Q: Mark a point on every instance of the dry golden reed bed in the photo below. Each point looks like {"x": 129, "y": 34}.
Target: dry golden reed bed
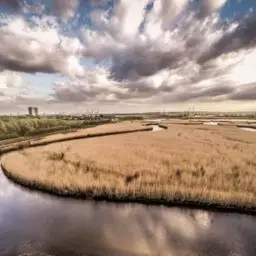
{"x": 101, "y": 130}
{"x": 115, "y": 127}
{"x": 199, "y": 164}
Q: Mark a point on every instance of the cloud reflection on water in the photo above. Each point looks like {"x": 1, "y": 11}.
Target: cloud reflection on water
{"x": 30, "y": 221}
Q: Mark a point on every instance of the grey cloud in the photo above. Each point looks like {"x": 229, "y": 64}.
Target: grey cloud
{"x": 31, "y": 55}
{"x": 98, "y": 2}
{"x": 210, "y": 94}
{"x": 144, "y": 61}
{"x": 66, "y": 9}
{"x": 214, "y": 92}
{"x": 245, "y": 92}
{"x": 140, "y": 89}
{"x": 158, "y": 59}
{"x": 206, "y": 7}
{"x": 84, "y": 91}
{"x": 167, "y": 10}
{"x": 2, "y": 94}
{"x": 25, "y": 100}
{"x": 15, "y": 4}
{"x": 81, "y": 93}
{"x": 23, "y": 6}
{"x": 243, "y": 37}
{"x": 147, "y": 58}
{"x": 72, "y": 93}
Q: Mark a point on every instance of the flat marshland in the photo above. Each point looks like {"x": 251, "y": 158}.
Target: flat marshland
{"x": 197, "y": 163}
{"x": 101, "y": 130}
{"x": 105, "y": 128}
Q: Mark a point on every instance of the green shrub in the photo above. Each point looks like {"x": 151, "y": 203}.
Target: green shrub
{"x": 17, "y": 127}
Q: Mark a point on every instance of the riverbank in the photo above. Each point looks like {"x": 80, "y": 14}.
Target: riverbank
{"x": 192, "y": 165}
{"x": 41, "y": 133}
{"x": 131, "y": 198}
{"x": 76, "y": 134}
{"x": 27, "y": 214}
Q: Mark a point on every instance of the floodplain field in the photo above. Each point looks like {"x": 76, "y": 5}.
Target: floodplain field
{"x": 197, "y": 164}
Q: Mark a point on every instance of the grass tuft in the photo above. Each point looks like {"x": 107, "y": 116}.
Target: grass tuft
{"x": 56, "y": 156}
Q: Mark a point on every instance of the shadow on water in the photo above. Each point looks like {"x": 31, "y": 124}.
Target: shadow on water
{"x": 32, "y": 222}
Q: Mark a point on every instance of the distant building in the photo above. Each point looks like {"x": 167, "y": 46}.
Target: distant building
{"x": 36, "y": 111}
{"x": 30, "y": 111}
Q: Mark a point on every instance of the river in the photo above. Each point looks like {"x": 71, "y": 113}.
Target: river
{"x": 248, "y": 129}
{"x": 32, "y": 222}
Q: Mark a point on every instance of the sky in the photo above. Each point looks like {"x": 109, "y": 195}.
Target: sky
{"x": 127, "y": 55}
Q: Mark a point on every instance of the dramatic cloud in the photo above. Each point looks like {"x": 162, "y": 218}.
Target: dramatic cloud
{"x": 38, "y": 50}
{"x": 247, "y": 92}
{"x": 207, "y": 7}
{"x": 243, "y": 36}
{"x": 165, "y": 11}
{"x": 96, "y": 86}
{"x": 156, "y": 51}
{"x": 15, "y": 4}
{"x": 23, "y": 6}
{"x": 66, "y": 9}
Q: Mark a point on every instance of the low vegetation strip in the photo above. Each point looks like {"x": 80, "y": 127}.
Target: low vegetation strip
{"x": 42, "y": 134}
{"x": 78, "y": 137}
{"x": 247, "y": 126}
{"x": 184, "y": 164}
{"x": 35, "y": 143}
{"x": 14, "y": 129}
{"x": 163, "y": 126}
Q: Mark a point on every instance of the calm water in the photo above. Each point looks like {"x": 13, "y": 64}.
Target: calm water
{"x": 248, "y": 129}
{"x": 157, "y": 128}
{"x": 31, "y": 222}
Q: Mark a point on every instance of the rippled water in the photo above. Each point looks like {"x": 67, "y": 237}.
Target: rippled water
{"x": 32, "y": 222}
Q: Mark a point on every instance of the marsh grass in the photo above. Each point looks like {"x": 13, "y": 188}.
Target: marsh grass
{"x": 216, "y": 166}
{"x": 19, "y": 129}
{"x": 101, "y": 130}
{"x": 26, "y": 126}
{"x": 14, "y": 129}
{"x": 58, "y": 156}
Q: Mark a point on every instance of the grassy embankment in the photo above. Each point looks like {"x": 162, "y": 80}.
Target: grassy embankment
{"x": 95, "y": 131}
{"x": 214, "y": 166}
{"x": 14, "y": 130}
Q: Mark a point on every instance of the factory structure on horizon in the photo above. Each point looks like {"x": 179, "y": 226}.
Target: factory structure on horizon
{"x": 32, "y": 111}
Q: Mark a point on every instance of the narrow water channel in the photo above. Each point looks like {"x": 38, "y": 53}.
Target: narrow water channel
{"x": 248, "y": 129}
{"x": 157, "y": 128}
{"x": 32, "y": 222}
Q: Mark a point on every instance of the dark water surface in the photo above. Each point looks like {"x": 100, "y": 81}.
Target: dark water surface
{"x": 32, "y": 222}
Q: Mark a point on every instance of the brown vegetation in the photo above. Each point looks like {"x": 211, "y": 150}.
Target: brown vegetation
{"x": 98, "y": 131}
{"x": 105, "y": 128}
{"x": 199, "y": 164}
